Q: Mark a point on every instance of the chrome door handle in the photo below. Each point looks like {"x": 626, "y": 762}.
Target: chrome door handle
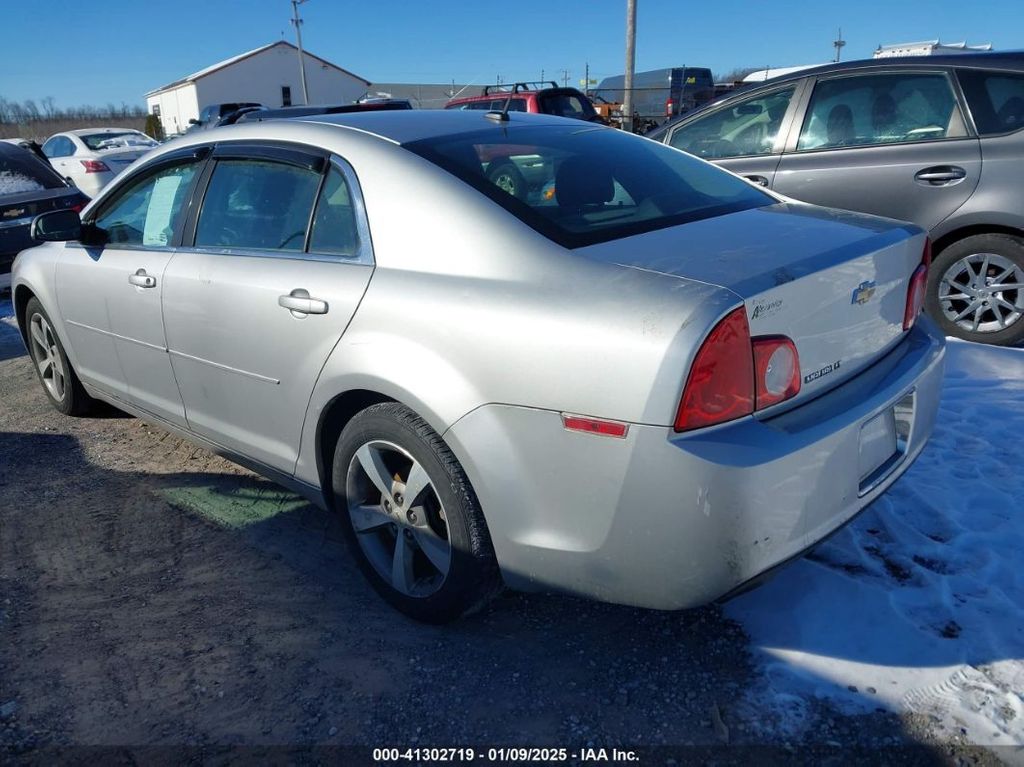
{"x": 142, "y": 280}
{"x": 941, "y": 175}
{"x": 300, "y": 303}
{"x": 759, "y": 180}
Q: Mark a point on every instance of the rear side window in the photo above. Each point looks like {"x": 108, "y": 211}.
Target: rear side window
{"x": 257, "y": 205}
{"x": 334, "y": 223}
{"x": 21, "y": 171}
{"x": 566, "y": 105}
{"x": 881, "y": 109}
{"x": 996, "y": 100}
{"x": 148, "y": 211}
{"x": 579, "y": 186}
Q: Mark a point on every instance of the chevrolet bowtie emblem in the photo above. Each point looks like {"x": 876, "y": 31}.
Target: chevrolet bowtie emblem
{"x": 14, "y": 212}
{"x": 863, "y": 293}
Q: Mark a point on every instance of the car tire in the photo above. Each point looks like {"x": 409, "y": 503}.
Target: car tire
{"x": 968, "y": 303}
{"x": 506, "y": 176}
{"x": 429, "y": 556}
{"x": 58, "y": 378}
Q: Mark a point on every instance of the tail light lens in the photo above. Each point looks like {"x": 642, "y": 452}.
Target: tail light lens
{"x": 669, "y": 106}
{"x": 721, "y": 383}
{"x": 733, "y": 375}
{"x": 776, "y": 371}
{"x": 94, "y": 166}
{"x": 918, "y": 288}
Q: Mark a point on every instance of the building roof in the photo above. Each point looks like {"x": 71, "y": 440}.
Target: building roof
{"x": 235, "y": 59}
{"x": 961, "y": 46}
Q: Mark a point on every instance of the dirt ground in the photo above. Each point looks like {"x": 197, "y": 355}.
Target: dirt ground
{"x": 152, "y": 593}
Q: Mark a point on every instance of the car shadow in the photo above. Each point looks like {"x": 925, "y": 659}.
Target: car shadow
{"x": 215, "y": 608}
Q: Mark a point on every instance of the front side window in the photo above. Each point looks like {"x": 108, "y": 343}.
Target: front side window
{"x": 743, "y": 129}
{"x": 881, "y": 109}
{"x": 257, "y": 205}
{"x": 147, "y": 212}
{"x": 566, "y": 105}
{"x": 996, "y": 100}
{"x": 579, "y": 186}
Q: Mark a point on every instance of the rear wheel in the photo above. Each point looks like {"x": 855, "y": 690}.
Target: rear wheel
{"x": 58, "y": 378}
{"x": 976, "y": 289}
{"x": 411, "y": 516}
{"x": 506, "y": 176}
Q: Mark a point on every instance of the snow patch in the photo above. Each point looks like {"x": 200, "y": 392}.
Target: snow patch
{"x": 12, "y": 182}
{"x": 918, "y": 606}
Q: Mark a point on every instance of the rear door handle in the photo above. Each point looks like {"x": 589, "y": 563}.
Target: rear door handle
{"x": 759, "y": 180}
{"x": 941, "y": 175}
{"x": 300, "y": 303}
{"x": 142, "y": 280}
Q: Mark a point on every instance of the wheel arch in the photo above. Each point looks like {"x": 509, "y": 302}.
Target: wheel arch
{"x": 22, "y": 295}
{"x": 955, "y": 235}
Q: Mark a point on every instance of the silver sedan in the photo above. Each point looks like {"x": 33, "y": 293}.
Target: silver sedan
{"x": 638, "y": 379}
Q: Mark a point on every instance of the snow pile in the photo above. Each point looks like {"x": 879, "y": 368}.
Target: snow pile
{"x": 919, "y": 604}
{"x": 16, "y": 183}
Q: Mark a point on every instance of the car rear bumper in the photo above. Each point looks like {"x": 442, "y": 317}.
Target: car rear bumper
{"x": 670, "y": 521}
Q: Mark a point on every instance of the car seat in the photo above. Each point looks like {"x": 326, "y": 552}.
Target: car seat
{"x": 840, "y": 125}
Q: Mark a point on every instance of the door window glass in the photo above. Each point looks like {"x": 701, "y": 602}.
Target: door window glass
{"x": 881, "y": 109}
{"x": 257, "y": 204}
{"x": 739, "y": 130}
{"x": 58, "y": 146}
{"x": 147, "y": 212}
{"x": 334, "y": 224}
{"x": 996, "y": 100}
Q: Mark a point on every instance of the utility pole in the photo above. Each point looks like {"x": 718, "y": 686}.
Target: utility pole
{"x": 838, "y": 43}
{"x": 565, "y": 78}
{"x": 586, "y": 80}
{"x": 627, "y": 99}
{"x": 298, "y": 38}
{"x": 542, "y": 75}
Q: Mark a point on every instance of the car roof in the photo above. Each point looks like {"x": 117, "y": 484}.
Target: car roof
{"x": 403, "y": 126}
{"x": 89, "y": 131}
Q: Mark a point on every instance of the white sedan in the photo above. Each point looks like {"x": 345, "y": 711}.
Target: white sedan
{"x": 89, "y": 158}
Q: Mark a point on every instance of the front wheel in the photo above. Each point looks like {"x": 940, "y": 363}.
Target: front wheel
{"x": 506, "y": 176}
{"x": 58, "y": 378}
{"x": 411, "y": 516}
{"x": 976, "y": 289}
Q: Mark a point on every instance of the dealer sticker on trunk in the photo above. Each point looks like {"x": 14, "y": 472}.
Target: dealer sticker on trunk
{"x": 822, "y": 372}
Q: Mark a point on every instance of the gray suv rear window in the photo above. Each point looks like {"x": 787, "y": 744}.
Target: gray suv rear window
{"x": 996, "y": 100}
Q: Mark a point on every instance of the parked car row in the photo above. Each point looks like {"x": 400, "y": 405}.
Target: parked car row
{"x": 938, "y": 141}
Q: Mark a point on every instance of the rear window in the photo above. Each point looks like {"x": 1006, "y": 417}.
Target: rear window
{"x": 996, "y": 100}
{"x": 579, "y": 185}
{"x": 572, "y": 105}
{"x": 127, "y": 139}
{"x": 21, "y": 171}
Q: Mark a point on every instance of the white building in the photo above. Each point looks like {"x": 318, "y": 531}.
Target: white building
{"x": 268, "y": 75}
{"x": 928, "y": 48}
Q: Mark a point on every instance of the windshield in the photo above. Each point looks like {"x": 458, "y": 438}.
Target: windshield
{"x": 21, "y": 171}
{"x": 583, "y": 186}
{"x": 127, "y": 139}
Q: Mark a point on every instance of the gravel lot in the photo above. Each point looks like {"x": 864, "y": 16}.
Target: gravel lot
{"x": 152, "y": 593}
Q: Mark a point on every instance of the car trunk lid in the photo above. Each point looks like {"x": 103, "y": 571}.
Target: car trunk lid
{"x": 834, "y": 282}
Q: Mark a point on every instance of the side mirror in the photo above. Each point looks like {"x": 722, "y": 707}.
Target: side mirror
{"x": 57, "y": 226}
{"x": 747, "y": 109}
{"x": 193, "y": 121}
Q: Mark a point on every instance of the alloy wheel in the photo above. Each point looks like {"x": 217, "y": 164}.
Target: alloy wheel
{"x": 982, "y": 293}
{"x": 399, "y": 520}
{"x": 47, "y": 356}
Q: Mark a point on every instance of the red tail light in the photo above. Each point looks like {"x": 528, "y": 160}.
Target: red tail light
{"x": 721, "y": 383}
{"x": 776, "y": 370}
{"x": 94, "y": 166}
{"x": 918, "y": 288}
{"x": 669, "y": 106}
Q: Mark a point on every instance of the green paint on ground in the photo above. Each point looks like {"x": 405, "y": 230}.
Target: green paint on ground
{"x": 235, "y": 506}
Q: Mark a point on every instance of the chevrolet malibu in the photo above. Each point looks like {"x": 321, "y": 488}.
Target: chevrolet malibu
{"x": 640, "y": 380}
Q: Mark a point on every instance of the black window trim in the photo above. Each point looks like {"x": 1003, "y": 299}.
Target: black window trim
{"x": 300, "y": 155}
{"x": 812, "y": 83}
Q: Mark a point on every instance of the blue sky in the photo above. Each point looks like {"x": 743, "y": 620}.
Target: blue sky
{"x": 116, "y": 50}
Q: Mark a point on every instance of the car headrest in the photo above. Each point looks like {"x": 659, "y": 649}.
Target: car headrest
{"x": 582, "y": 182}
{"x": 840, "y": 124}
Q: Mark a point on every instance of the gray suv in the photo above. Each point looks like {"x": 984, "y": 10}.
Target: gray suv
{"x": 938, "y": 141}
